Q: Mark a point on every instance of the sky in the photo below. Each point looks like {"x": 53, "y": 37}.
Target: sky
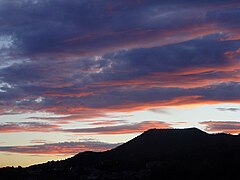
{"x": 88, "y": 75}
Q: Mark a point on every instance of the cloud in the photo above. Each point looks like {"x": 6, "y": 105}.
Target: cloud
{"x": 38, "y": 141}
{"x": 11, "y": 127}
{"x": 106, "y": 122}
{"x": 232, "y": 127}
{"x": 10, "y": 113}
{"x": 62, "y": 148}
{"x": 229, "y": 109}
{"x": 160, "y": 111}
{"x": 90, "y": 27}
{"x": 99, "y": 127}
{"x": 121, "y": 129}
{"x": 83, "y": 115}
{"x": 122, "y": 99}
{"x": 116, "y": 56}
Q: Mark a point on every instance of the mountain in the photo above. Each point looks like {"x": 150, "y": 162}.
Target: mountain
{"x": 155, "y": 154}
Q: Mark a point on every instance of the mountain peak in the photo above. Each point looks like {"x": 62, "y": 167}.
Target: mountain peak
{"x": 192, "y": 131}
{"x": 162, "y": 140}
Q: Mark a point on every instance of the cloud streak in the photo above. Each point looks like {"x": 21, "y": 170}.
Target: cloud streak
{"x": 12, "y": 127}
{"x": 63, "y": 148}
{"x": 96, "y": 127}
{"x": 229, "y": 109}
{"x": 121, "y": 129}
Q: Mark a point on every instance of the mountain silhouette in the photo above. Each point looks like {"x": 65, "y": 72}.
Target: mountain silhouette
{"x": 155, "y": 154}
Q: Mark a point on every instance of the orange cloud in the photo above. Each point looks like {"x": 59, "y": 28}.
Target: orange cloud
{"x": 86, "y": 114}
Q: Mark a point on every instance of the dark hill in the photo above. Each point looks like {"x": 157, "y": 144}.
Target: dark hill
{"x": 155, "y": 154}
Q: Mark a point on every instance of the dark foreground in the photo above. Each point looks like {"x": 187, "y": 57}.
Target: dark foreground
{"x": 156, "y": 154}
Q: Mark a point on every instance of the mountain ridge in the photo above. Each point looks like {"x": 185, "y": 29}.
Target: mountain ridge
{"x": 166, "y": 153}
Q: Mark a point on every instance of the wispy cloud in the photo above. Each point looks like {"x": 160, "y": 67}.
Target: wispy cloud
{"x": 159, "y": 110}
{"x": 10, "y": 113}
{"x": 121, "y": 129}
{"x": 12, "y": 127}
{"x": 229, "y": 109}
{"x": 107, "y": 122}
{"x": 64, "y": 148}
{"x": 100, "y": 127}
{"x": 76, "y": 115}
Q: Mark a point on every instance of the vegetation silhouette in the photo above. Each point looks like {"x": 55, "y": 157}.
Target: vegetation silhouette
{"x": 156, "y": 154}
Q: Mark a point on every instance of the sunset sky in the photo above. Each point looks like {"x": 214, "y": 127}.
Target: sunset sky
{"x": 78, "y": 75}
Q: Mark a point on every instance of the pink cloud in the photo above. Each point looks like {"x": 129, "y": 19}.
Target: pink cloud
{"x": 121, "y": 129}
{"x": 232, "y": 127}
{"x": 63, "y": 148}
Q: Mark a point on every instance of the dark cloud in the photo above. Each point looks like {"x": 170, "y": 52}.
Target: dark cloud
{"x": 222, "y": 126}
{"x": 10, "y": 113}
{"x": 64, "y": 148}
{"x": 85, "y": 59}
{"x": 226, "y": 16}
{"x": 86, "y": 27}
{"x": 122, "y": 99}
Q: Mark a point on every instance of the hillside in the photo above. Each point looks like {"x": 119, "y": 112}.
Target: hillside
{"x": 155, "y": 154}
